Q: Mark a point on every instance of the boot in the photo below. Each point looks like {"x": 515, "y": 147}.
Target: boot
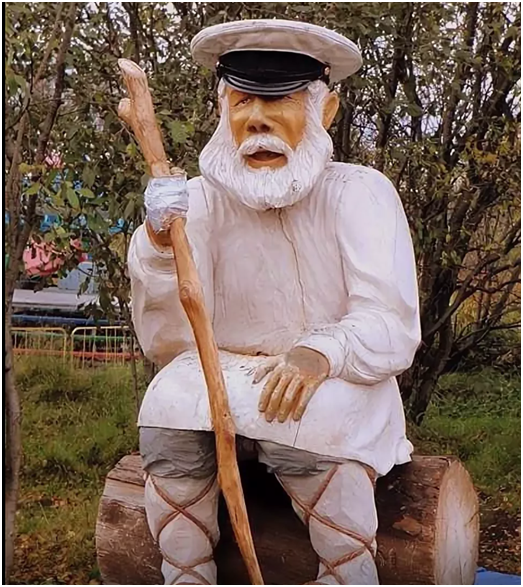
{"x": 182, "y": 513}
{"x": 338, "y": 507}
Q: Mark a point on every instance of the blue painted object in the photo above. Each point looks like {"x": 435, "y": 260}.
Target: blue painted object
{"x": 484, "y": 577}
{"x": 57, "y": 320}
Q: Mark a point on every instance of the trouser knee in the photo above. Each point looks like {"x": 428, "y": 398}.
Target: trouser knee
{"x": 286, "y": 460}
{"x": 178, "y": 453}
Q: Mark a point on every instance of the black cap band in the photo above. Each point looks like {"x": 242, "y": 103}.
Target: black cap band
{"x": 270, "y": 73}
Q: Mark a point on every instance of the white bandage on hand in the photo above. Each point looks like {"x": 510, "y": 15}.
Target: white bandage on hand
{"x": 166, "y": 198}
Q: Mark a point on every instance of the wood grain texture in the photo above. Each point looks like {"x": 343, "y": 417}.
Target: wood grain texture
{"x": 138, "y": 112}
{"x": 192, "y": 300}
{"x": 420, "y": 505}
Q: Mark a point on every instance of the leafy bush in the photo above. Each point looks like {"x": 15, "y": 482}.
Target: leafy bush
{"x": 500, "y": 349}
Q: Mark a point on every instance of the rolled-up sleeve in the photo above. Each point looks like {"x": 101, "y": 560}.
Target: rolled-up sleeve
{"x": 380, "y": 332}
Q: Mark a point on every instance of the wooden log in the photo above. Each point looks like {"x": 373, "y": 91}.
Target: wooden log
{"x": 428, "y": 528}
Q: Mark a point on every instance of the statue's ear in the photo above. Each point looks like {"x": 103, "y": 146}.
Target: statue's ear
{"x": 330, "y": 108}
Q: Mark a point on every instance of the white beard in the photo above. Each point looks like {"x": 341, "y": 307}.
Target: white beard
{"x": 223, "y": 163}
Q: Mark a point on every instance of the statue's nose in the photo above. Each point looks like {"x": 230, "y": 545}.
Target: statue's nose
{"x": 258, "y": 121}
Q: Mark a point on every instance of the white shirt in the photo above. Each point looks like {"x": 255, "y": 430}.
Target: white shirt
{"x": 334, "y": 272}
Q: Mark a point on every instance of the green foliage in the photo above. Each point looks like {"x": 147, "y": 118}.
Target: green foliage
{"x": 500, "y": 349}
{"x": 477, "y": 417}
{"x": 435, "y": 106}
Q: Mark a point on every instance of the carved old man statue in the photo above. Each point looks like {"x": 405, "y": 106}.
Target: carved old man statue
{"x": 309, "y": 278}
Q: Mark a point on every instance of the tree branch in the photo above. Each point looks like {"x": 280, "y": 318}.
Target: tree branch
{"x": 458, "y": 83}
{"x": 461, "y": 295}
{"x": 16, "y": 158}
{"x": 47, "y": 126}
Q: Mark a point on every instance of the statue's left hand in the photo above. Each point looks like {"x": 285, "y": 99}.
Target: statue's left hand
{"x": 293, "y": 380}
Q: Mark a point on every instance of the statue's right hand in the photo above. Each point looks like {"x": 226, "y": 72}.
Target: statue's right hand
{"x": 166, "y": 198}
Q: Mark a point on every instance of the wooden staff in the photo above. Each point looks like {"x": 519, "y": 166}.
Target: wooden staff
{"x": 138, "y": 112}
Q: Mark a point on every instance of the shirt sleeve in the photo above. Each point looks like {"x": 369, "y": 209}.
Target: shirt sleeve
{"x": 378, "y": 337}
{"x": 159, "y": 319}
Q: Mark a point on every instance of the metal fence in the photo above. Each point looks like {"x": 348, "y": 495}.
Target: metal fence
{"x": 41, "y": 341}
{"x": 91, "y": 345}
{"x": 85, "y": 346}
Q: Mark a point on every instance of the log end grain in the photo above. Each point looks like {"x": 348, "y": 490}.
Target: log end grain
{"x": 457, "y": 529}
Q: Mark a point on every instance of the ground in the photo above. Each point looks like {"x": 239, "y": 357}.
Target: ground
{"x": 77, "y": 424}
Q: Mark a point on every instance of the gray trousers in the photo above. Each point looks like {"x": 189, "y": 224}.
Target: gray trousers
{"x": 189, "y": 453}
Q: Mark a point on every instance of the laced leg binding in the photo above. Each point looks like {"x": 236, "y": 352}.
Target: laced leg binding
{"x": 339, "y": 509}
{"x": 182, "y": 517}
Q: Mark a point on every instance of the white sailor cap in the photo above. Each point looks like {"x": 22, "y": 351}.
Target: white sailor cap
{"x": 275, "y": 57}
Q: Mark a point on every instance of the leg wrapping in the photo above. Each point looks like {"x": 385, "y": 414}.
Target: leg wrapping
{"x": 338, "y": 507}
{"x": 182, "y": 515}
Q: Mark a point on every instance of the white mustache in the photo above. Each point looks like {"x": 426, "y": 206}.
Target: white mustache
{"x": 265, "y": 142}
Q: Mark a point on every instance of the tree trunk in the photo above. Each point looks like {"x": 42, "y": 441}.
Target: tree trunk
{"x": 428, "y": 532}
{"x": 13, "y": 446}
{"x": 22, "y": 220}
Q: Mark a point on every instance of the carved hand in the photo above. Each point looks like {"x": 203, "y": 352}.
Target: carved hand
{"x": 293, "y": 380}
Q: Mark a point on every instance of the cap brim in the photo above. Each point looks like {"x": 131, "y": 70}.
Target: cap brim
{"x": 339, "y": 53}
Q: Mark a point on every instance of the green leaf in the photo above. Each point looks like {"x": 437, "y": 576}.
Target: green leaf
{"x": 131, "y": 150}
{"x": 57, "y": 200}
{"x": 414, "y": 110}
{"x": 129, "y": 209}
{"x": 71, "y": 131}
{"x": 72, "y": 198}
{"x": 34, "y": 189}
{"x": 89, "y": 176}
{"x": 178, "y": 131}
{"x": 96, "y": 223}
{"x": 25, "y": 168}
{"x": 87, "y": 193}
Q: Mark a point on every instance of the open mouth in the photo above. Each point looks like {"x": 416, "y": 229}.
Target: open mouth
{"x": 268, "y": 157}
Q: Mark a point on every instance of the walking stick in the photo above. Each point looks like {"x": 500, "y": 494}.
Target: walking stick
{"x": 138, "y": 112}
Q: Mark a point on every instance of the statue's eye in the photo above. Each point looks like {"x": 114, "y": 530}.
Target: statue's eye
{"x": 243, "y": 101}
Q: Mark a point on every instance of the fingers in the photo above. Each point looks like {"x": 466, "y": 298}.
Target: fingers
{"x": 276, "y": 396}
{"x": 266, "y": 367}
{"x": 269, "y": 387}
{"x": 289, "y": 397}
{"x": 287, "y": 390}
{"x": 308, "y": 391}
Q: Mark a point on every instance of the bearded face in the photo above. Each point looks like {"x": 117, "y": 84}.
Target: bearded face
{"x": 269, "y": 153}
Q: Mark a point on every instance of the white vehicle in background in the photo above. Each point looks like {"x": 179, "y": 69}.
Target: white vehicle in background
{"x": 59, "y": 305}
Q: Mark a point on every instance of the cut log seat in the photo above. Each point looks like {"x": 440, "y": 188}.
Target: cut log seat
{"x": 428, "y": 528}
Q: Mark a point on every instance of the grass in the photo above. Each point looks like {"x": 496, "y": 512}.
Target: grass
{"x": 78, "y": 424}
{"x": 477, "y": 417}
